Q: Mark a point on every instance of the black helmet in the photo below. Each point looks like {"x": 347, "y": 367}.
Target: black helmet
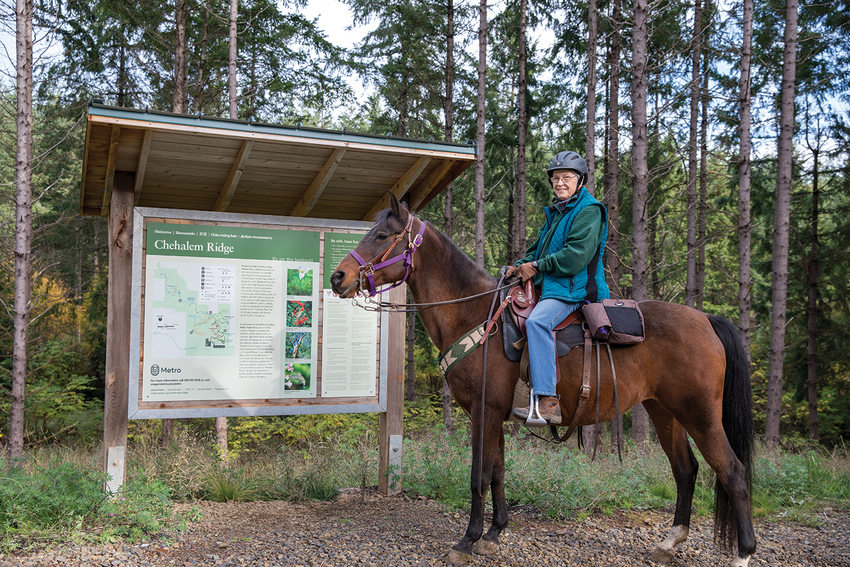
{"x": 568, "y": 160}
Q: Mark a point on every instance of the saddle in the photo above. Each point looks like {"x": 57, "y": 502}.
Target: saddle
{"x": 523, "y": 298}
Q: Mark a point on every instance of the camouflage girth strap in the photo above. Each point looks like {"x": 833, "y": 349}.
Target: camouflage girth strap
{"x": 461, "y": 348}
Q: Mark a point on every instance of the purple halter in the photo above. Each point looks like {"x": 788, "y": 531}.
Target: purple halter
{"x": 369, "y": 268}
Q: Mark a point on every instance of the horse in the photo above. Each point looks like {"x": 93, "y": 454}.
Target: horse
{"x": 690, "y": 373}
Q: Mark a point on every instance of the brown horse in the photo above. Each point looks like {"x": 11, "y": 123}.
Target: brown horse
{"x": 690, "y": 373}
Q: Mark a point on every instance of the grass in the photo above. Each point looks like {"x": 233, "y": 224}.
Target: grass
{"x": 55, "y": 495}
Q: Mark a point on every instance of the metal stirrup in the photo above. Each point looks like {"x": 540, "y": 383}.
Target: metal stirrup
{"x": 534, "y": 410}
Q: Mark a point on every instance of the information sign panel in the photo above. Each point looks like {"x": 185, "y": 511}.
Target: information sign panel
{"x": 233, "y": 315}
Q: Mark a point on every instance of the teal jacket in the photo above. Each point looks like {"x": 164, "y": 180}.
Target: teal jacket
{"x": 569, "y": 250}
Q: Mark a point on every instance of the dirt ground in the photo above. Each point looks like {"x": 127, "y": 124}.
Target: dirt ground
{"x": 400, "y": 531}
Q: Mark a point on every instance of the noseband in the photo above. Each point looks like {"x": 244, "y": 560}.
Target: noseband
{"x": 369, "y": 268}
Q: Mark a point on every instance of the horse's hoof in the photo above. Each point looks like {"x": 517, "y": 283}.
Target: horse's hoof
{"x": 741, "y": 561}
{"x": 662, "y": 555}
{"x": 456, "y": 557}
{"x": 485, "y": 547}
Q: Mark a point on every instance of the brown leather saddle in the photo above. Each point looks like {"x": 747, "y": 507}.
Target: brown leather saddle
{"x": 523, "y": 298}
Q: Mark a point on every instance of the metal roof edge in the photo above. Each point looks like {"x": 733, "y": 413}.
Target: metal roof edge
{"x": 99, "y": 109}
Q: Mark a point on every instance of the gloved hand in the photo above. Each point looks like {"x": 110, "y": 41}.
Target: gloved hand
{"x": 526, "y": 271}
{"x": 510, "y": 271}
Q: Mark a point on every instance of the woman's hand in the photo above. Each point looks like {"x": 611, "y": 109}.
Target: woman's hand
{"x": 526, "y": 271}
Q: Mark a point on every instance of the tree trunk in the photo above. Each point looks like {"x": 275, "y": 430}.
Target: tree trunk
{"x": 448, "y": 218}
{"x": 198, "y": 101}
{"x": 522, "y": 129}
{"x": 813, "y": 272}
{"x": 179, "y": 103}
{"x": 612, "y": 154}
{"x": 233, "y": 112}
{"x": 23, "y": 225}
{"x": 480, "y": 123}
{"x": 122, "y": 72}
{"x": 512, "y": 242}
{"x": 702, "y": 195}
{"x": 411, "y": 353}
{"x": 180, "y": 96}
{"x": 640, "y": 419}
{"x": 781, "y": 221}
{"x": 231, "y": 62}
{"x": 696, "y": 60}
{"x": 745, "y": 278}
{"x": 655, "y": 159}
{"x": 590, "y": 125}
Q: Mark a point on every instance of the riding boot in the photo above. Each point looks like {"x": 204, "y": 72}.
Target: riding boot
{"x": 549, "y": 408}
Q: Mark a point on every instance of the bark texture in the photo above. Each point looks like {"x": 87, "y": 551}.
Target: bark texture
{"x": 480, "y": 125}
{"x": 640, "y": 171}
{"x": 781, "y": 221}
{"x": 691, "y": 277}
{"x": 590, "y": 125}
{"x": 522, "y": 129}
{"x": 612, "y": 153}
{"x": 745, "y": 278}
{"x": 448, "y": 214}
{"x": 23, "y": 225}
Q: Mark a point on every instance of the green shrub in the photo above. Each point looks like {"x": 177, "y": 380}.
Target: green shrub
{"x": 58, "y": 496}
{"x": 67, "y": 499}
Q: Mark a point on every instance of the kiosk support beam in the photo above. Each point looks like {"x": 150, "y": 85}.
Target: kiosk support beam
{"x": 118, "y": 328}
{"x": 389, "y": 455}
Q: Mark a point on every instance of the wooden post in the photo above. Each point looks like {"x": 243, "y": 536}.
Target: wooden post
{"x": 389, "y": 456}
{"x": 118, "y": 329}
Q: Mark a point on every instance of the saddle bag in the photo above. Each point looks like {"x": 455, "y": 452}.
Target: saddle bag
{"x": 617, "y": 321}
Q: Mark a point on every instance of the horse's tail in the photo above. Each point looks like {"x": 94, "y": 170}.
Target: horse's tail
{"x": 737, "y": 421}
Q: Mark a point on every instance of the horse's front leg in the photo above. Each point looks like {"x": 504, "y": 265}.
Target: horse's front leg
{"x": 480, "y": 478}
{"x": 489, "y": 544}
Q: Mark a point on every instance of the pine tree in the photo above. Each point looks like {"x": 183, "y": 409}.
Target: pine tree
{"x": 781, "y": 229}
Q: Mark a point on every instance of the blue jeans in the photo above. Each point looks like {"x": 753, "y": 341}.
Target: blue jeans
{"x": 541, "y": 343}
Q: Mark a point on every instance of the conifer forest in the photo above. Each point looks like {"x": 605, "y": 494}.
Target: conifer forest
{"x": 717, "y": 135}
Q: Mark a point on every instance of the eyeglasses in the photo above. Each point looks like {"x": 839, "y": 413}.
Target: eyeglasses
{"x": 564, "y": 179}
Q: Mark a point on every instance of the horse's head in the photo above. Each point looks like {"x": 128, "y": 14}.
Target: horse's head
{"x": 383, "y": 256}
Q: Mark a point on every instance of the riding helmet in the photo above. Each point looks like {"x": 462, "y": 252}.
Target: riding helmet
{"x": 568, "y": 160}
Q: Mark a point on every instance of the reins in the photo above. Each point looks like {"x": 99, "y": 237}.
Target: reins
{"x": 486, "y": 341}
{"x": 412, "y": 307}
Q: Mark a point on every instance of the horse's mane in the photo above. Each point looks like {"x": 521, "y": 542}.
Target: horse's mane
{"x": 470, "y": 277}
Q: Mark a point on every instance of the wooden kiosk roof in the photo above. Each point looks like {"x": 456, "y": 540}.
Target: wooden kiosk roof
{"x": 210, "y": 164}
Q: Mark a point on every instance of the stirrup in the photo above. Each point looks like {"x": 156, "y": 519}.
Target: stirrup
{"x": 534, "y": 418}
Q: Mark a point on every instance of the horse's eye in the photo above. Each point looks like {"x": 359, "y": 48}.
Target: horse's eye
{"x": 380, "y": 236}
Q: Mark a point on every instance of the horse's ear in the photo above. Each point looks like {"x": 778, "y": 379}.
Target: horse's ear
{"x": 394, "y": 205}
{"x": 398, "y": 208}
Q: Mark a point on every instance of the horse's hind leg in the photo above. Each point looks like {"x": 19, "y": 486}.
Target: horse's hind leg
{"x": 674, "y": 441}
{"x": 731, "y": 475}
{"x": 489, "y": 544}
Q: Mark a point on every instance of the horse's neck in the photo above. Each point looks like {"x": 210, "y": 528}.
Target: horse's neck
{"x": 443, "y": 273}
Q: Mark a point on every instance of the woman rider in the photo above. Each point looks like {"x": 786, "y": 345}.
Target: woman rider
{"x": 565, "y": 262}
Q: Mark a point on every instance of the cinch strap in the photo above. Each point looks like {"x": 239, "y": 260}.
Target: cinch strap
{"x": 461, "y": 348}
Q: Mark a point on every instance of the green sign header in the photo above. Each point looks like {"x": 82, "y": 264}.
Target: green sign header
{"x": 210, "y": 241}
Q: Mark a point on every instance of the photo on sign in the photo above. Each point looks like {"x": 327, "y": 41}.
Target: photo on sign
{"x": 298, "y": 345}
{"x": 299, "y": 281}
{"x": 299, "y": 313}
{"x": 296, "y": 377}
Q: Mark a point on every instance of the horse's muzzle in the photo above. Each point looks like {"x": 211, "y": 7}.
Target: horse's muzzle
{"x": 337, "y": 281}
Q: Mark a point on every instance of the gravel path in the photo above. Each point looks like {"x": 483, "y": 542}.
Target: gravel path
{"x": 399, "y": 531}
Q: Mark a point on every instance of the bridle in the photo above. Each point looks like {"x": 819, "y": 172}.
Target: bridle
{"x": 368, "y": 269}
